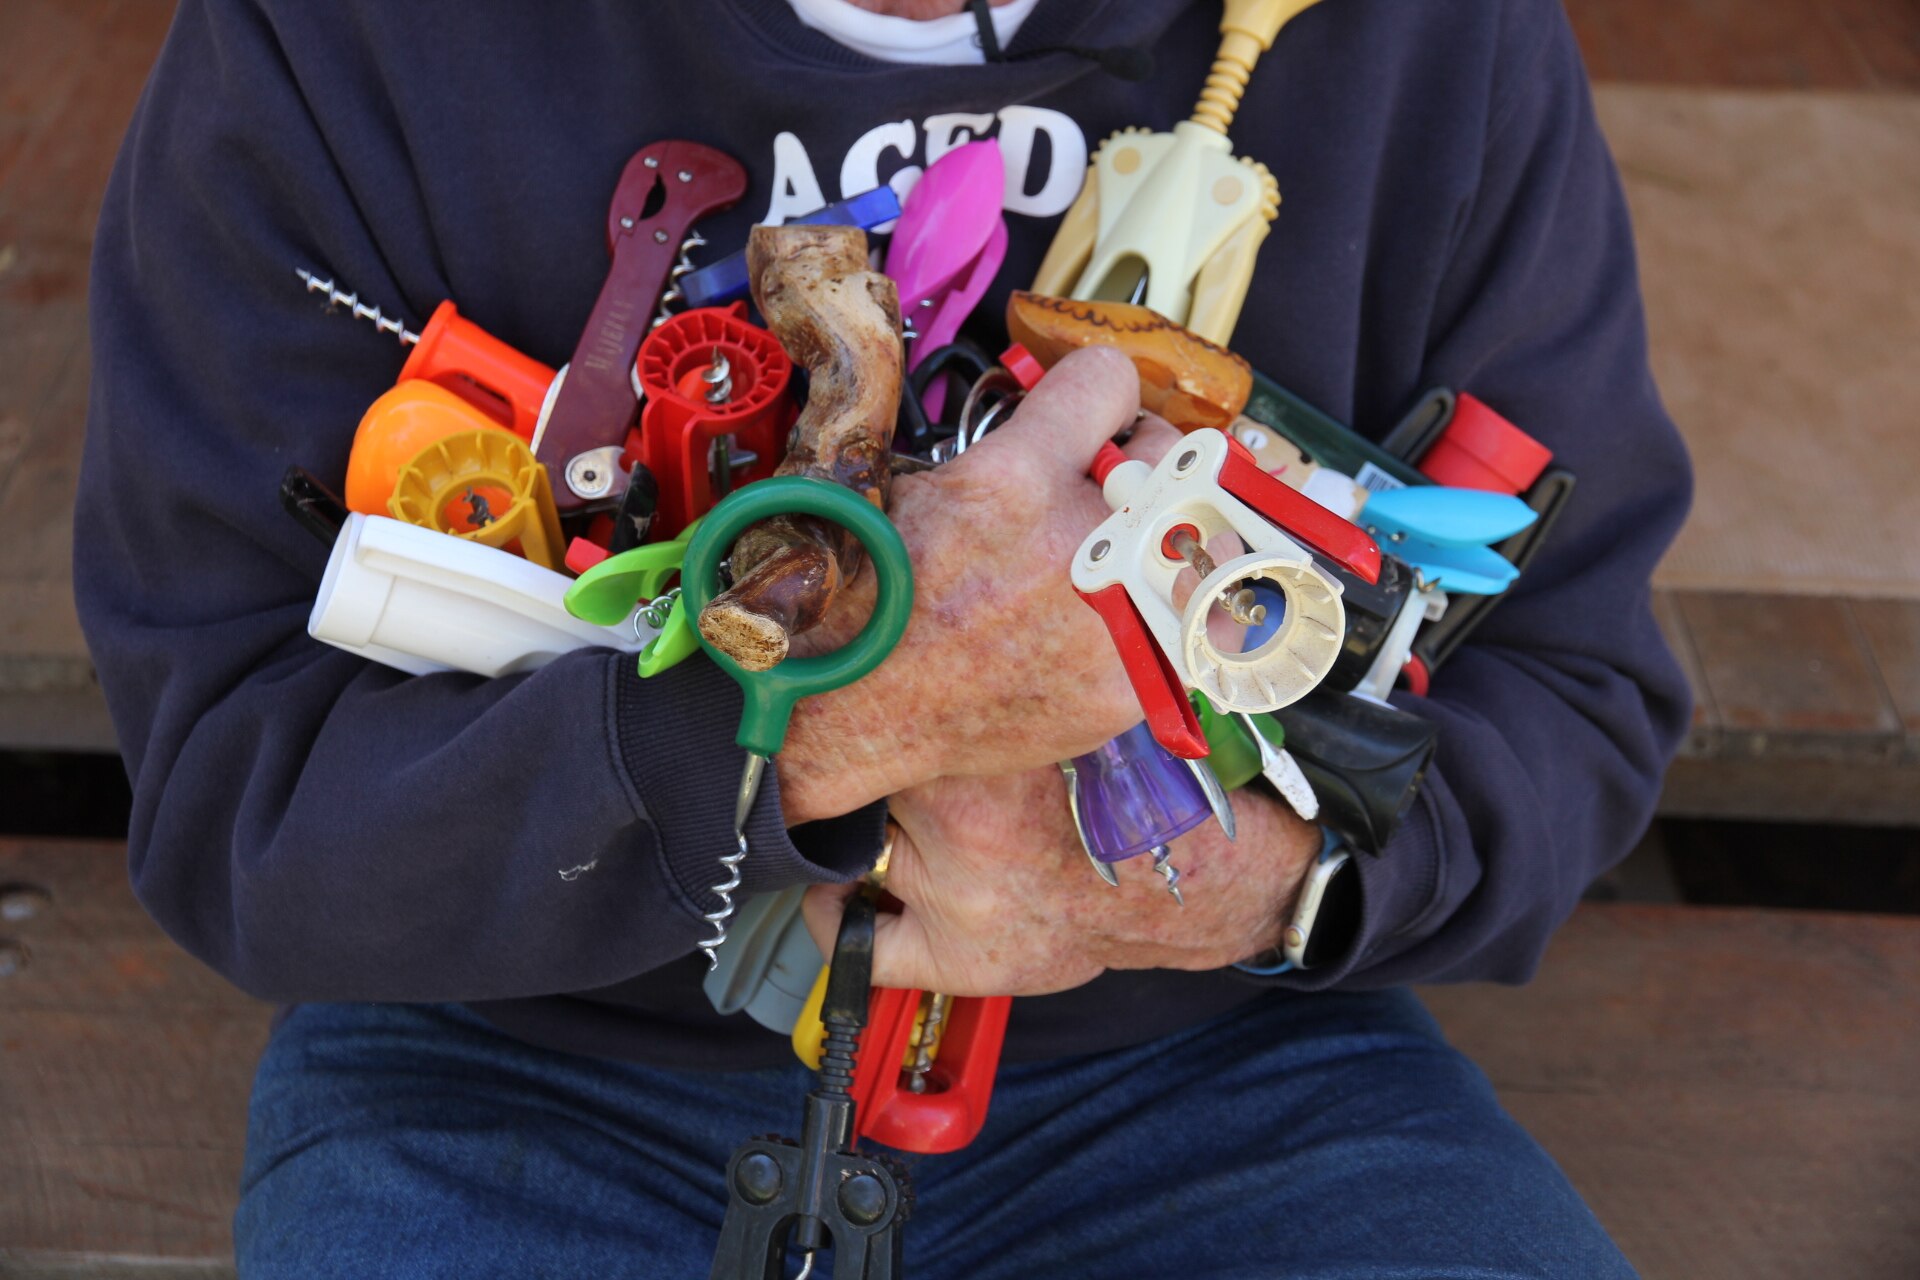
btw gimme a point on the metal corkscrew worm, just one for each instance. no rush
(674, 296)
(1161, 855)
(733, 862)
(338, 297)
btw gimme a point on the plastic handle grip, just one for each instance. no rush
(422, 601)
(453, 352)
(770, 695)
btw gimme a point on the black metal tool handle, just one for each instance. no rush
(820, 1191)
(306, 498)
(1414, 434)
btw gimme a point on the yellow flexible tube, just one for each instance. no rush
(1247, 30)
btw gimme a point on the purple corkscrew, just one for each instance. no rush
(1132, 796)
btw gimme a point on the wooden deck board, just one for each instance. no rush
(1703, 734)
(1892, 630)
(1790, 671)
(1777, 233)
(53, 187)
(37, 500)
(43, 46)
(1733, 1091)
(1782, 787)
(1753, 44)
(1887, 34)
(125, 1065)
(1805, 710)
(43, 323)
(71, 71)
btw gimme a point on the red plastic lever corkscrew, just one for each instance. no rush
(950, 1111)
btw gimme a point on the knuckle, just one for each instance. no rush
(1101, 362)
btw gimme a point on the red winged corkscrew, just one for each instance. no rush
(1163, 517)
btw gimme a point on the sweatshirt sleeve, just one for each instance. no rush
(313, 826)
(1558, 718)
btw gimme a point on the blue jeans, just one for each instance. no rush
(1328, 1135)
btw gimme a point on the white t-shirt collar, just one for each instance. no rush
(950, 41)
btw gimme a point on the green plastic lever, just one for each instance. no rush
(674, 645)
(770, 695)
(1231, 753)
(607, 593)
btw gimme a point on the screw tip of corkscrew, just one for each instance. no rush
(337, 297)
(1162, 863)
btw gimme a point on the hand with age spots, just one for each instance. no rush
(1002, 673)
(998, 897)
(1002, 667)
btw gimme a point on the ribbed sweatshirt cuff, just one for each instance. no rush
(675, 736)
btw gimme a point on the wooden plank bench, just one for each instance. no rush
(1734, 1091)
(124, 1070)
(72, 70)
(1806, 708)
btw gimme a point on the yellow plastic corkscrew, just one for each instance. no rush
(1175, 220)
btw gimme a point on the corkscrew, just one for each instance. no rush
(675, 295)
(664, 189)
(928, 1059)
(458, 356)
(336, 297)
(1127, 568)
(716, 410)
(1132, 796)
(822, 1190)
(1161, 854)
(732, 863)
(1174, 220)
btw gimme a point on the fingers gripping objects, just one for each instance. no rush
(841, 322)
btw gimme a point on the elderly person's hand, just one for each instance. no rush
(999, 899)
(1002, 668)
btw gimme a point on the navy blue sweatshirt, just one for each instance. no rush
(319, 828)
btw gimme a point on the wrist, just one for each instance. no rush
(1321, 923)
